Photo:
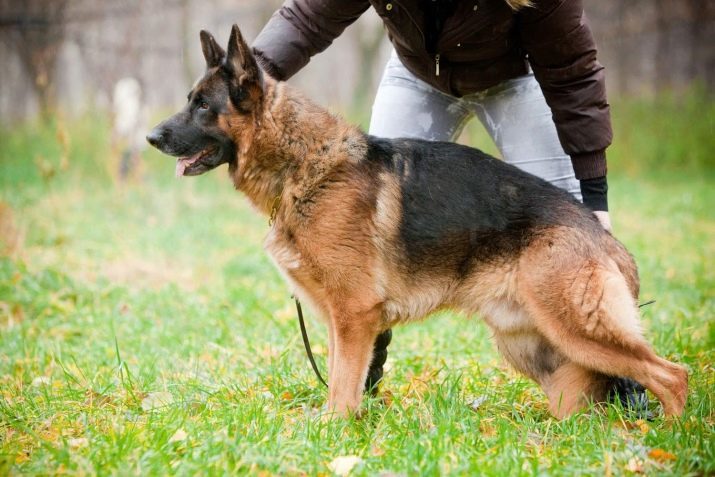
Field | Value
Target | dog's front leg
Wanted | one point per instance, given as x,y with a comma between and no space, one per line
331,349
353,335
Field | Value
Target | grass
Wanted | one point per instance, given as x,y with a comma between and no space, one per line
144,331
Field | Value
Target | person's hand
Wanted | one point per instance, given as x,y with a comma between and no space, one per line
604,218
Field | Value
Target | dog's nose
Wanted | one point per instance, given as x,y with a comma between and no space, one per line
155,137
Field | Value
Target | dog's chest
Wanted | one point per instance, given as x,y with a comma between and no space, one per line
285,256
283,253
289,261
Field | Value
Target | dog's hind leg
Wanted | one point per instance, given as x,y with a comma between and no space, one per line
568,386
571,387
588,313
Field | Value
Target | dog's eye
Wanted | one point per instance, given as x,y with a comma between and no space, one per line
204,105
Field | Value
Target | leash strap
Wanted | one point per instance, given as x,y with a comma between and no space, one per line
646,303
306,342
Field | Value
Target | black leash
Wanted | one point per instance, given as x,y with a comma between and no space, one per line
646,303
306,342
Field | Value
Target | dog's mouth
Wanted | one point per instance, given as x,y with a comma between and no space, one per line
200,162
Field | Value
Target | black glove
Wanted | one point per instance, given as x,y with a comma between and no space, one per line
595,193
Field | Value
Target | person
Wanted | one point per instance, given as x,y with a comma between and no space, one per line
526,69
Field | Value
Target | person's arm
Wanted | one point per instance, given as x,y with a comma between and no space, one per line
299,30
562,54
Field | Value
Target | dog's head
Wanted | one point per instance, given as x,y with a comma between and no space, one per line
220,117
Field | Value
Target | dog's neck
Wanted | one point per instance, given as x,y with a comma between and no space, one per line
294,142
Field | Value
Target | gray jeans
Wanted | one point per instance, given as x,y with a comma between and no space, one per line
514,114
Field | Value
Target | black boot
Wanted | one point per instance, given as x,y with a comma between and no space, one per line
632,396
379,355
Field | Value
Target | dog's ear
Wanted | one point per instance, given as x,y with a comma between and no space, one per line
240,59
213,53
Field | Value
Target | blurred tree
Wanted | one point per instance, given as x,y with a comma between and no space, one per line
188,40
647,46
35,30
370,38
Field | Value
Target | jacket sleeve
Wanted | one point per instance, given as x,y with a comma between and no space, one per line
299,30
562,54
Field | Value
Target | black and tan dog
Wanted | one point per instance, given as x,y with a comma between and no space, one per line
375,232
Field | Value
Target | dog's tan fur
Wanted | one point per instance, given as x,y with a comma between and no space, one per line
563,311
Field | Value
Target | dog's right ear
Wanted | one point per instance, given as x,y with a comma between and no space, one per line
240,59
213,53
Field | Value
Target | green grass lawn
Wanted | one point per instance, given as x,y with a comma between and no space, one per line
144,331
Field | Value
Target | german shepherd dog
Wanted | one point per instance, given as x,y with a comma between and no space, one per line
374,232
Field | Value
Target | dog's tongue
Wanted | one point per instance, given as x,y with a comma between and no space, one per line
183,162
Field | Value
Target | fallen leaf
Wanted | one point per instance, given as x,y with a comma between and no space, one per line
344,464
77,442
476,403
487,428
643,426
661,456
635,465
377,451
40,381
179,435
93,398
156,400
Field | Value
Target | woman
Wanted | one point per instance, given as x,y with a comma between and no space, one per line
527,70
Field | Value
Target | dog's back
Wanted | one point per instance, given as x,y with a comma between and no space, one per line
460,205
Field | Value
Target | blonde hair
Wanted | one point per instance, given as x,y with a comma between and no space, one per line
518,4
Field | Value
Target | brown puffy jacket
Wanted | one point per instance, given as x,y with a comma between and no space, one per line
483,43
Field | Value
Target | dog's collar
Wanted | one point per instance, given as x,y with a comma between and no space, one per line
274,210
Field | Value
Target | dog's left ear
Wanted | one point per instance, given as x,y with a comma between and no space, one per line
213,53
240,59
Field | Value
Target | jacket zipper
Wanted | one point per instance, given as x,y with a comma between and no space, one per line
436,64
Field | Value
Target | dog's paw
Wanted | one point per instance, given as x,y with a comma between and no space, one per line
328,414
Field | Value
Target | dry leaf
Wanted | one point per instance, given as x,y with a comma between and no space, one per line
344,464
156,400
179,435
643,426
661,456
476,403
40,381
93,398
78,442
635,465
487,428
